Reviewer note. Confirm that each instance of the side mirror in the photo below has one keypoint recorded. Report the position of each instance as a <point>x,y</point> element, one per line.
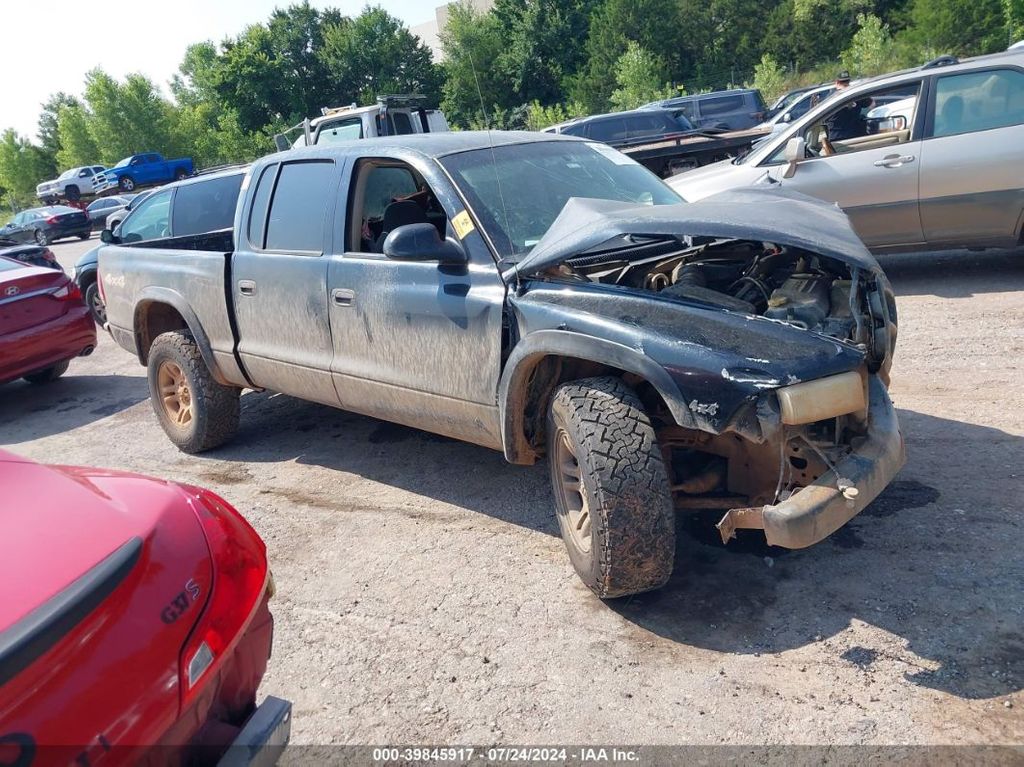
<point>421,242</point>
<point>107,237</point>
<point>796,151</point>
<point>281,142</point>
<point>786,117</point>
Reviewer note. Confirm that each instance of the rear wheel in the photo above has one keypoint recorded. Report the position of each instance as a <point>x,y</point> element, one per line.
<point>85,235</point>
<point>95,303</point>
<point>42,238</point>
<point>180,173</point>
<point>195,411</point>
<point>611,489</point>
<point>50,374</point>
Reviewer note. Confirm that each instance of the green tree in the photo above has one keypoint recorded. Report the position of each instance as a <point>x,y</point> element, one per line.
<point>375,54</point>
<point>542,45</point>
<point>1013,11</point>
<point>962,27</point>
<point>640,77</point>
<point>275,71</point>
<point>770,78</point>
<point>77,146</point>
<point>472,43</point>
<point>49,138</point>
<point>22,166</point>
<point>871,49</point>
<point>655,25</point>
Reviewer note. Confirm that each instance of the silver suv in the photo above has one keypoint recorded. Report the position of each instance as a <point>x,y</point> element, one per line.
<point>941,169</point>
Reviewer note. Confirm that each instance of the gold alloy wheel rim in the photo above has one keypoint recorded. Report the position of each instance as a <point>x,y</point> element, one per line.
<point>175,394</point>
<point>577,508</point>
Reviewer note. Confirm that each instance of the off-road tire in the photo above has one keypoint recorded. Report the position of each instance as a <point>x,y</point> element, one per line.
<point>50,374</point>
<point>73,193</point>
<point>215,407</point>
<point>624,485</point>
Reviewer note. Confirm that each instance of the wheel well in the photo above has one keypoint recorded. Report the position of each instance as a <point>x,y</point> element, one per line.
<point>528,405</point>
<point>152,319</point>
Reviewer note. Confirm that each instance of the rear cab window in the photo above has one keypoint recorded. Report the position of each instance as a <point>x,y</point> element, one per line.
<point>297,212</point>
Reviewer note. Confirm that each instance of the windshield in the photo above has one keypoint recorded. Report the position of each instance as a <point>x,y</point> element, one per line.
<point>68,173</point>
<point>123,162</point>
<point>537,180</point>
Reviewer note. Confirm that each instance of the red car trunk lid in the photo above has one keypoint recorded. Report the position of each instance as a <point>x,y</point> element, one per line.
<point>29,296</point>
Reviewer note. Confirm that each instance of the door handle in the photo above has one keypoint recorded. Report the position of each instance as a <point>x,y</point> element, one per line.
<point>894,160</point>
<point>343,296</point>
<point>247,287</point>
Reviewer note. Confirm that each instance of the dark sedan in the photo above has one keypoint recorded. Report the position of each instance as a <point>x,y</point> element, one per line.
<point>33,255</point>
<point>100,209</point>
<point>46,225</point>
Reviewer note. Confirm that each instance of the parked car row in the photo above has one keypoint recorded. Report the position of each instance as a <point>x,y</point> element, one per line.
<point>926,158</point>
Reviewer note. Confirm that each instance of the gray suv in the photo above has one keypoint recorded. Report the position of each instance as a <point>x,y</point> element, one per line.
<point>941,170</point>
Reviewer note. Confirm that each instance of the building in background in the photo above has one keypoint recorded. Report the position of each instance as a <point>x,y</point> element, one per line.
<point>430,31</point>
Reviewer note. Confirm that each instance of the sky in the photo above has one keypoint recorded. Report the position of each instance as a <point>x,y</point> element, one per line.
<point>48,46</point>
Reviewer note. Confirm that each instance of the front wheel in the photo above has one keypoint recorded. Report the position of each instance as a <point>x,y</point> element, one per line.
<point>195,411</point>
<point>612,494</point>
<point>126,183</point>
<point>50,374</point>
<point>73,193</point>
<point>42,238</point>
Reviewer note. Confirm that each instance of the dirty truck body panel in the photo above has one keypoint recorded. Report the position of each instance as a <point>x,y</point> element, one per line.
<point>755,328</point>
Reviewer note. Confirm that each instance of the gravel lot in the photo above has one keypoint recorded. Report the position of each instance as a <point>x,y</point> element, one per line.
<point>424,595</point>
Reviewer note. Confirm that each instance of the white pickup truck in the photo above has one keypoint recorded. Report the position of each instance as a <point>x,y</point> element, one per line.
<point>390,116</point>
<point>72,185</point>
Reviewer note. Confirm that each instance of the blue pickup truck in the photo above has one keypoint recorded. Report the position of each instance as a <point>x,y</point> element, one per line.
<point>147,169</point>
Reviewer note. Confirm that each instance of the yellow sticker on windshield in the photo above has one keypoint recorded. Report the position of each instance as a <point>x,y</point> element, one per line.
<point>463,225</point>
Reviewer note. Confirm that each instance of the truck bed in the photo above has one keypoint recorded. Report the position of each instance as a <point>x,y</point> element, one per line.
<point>188,273</point>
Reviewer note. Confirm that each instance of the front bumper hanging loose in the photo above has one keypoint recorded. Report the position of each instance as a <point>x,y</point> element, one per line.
<point>816,511</point>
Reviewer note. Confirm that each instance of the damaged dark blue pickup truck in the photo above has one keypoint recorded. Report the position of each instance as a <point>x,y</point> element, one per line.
<point>542,296</point>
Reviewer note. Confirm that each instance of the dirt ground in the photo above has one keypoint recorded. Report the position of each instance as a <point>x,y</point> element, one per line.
<point>424,594</point>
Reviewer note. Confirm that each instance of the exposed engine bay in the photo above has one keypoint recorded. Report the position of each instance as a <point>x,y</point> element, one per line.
<point>785,284</point>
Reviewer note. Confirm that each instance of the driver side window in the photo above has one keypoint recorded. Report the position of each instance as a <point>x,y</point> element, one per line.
<point>386,196</point>
<point>150,221</point>
<point>870,120</point>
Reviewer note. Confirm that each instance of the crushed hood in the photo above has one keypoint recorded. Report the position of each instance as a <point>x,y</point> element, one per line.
<point>769,215</point>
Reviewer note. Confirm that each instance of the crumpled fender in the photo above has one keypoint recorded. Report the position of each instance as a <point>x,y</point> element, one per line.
<point>562,343</point>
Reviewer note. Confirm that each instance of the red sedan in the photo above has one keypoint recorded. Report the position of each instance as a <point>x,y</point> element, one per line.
<point>44,323</point>
<point>134,625</point>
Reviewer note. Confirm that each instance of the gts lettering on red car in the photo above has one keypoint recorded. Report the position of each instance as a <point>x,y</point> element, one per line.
<point>181,603</point>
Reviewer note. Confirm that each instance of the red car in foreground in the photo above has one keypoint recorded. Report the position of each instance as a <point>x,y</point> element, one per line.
<point>134,625</point>
<point>44,323</point>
